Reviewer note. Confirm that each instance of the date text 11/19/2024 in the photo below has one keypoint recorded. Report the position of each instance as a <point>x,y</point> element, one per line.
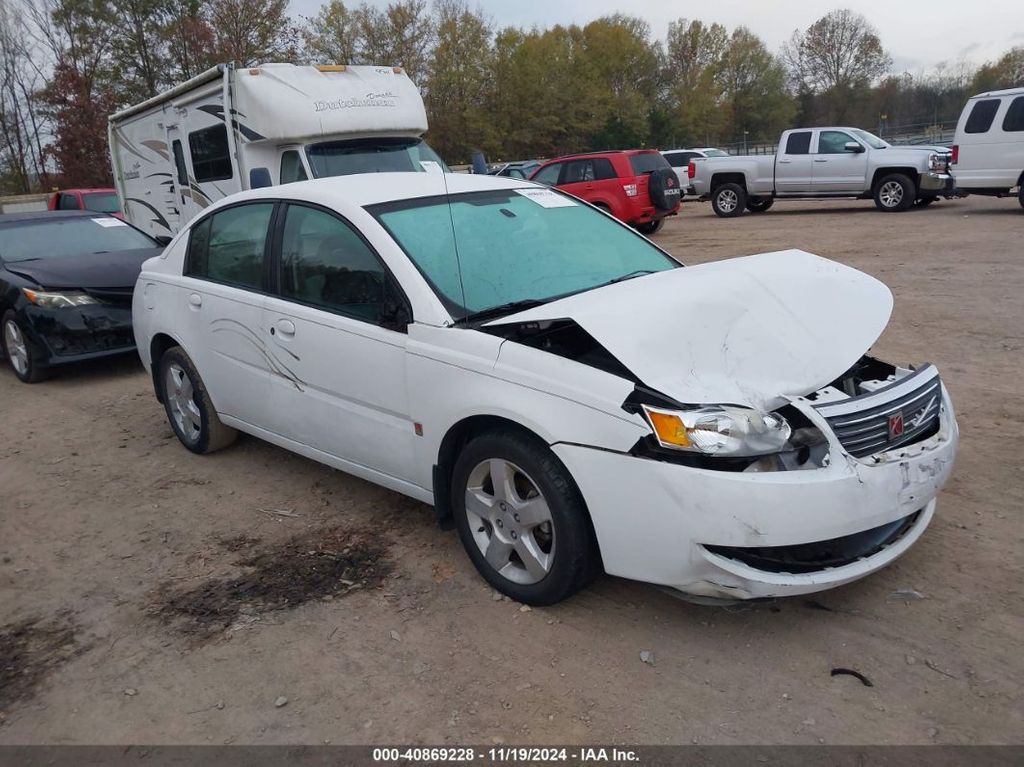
<point>505,754</point>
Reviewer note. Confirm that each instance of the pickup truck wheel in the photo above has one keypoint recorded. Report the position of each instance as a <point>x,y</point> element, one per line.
<point>760,204</point>
<point>729,200</point>
<point>650,227</point>
<point>894,193</point>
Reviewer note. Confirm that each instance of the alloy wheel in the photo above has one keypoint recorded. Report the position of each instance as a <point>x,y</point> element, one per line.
<point>510,521</point>
<point>17,349</point>
<point>180,396</point>
<point>727,201</point>
<point>891,194</point>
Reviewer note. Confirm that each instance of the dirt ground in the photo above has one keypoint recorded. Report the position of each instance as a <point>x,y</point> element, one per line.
<point>130,612</point>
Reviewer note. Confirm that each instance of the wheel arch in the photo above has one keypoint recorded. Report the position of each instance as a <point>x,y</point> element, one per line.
<point>719,179</point>
<point>158,346</point>
<point>912,173</point>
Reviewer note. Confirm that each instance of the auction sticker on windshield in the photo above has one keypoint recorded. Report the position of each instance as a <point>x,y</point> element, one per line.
<point>109,222</point>
<point>546,198</point>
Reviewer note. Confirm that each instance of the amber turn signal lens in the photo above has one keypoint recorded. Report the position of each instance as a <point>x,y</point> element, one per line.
<point>669,428</point>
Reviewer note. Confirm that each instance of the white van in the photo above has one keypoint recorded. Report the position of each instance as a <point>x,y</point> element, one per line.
<point>230,129</point>
<point>988,156</point>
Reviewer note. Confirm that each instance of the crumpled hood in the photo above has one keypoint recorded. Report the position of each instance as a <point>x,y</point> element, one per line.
<point>746,331</point>
<point>116,269</point>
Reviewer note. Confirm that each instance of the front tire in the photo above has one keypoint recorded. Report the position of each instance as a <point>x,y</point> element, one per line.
<point>522,519</point>
<point>894,193</point>
<point>18,350</point>
<point>651,227</point>
<point>729,200</point>
<point>760,204</point>
<point>189,409</point>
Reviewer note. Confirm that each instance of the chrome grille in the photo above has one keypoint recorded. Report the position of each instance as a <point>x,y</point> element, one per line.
<point>900,414</point>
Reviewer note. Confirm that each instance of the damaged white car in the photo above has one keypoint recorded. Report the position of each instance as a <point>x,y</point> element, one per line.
<point>562,391</point>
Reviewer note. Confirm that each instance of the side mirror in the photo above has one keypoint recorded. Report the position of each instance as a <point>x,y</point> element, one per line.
<point>853,146</point>
<point>259,178</point>
<point>163,240</point>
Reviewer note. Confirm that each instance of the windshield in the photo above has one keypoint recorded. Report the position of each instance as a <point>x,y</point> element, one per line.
<point>102,202</point>
<point>715,153</point>
<point>514,245</point>
<point>648,162</point>
<point>870,139</point>
<point>64,237</point>
<point>377,155</point>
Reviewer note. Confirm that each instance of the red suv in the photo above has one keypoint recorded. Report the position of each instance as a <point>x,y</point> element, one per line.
<point>637,186</point>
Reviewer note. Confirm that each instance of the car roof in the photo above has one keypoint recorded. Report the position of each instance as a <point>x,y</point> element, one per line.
<point>1004,92</point>
<point>582,155</point>
<point>44,215</point>
<point>365,189</point>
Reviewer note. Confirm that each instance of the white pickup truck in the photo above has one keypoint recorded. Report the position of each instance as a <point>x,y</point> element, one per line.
<point>815,163</point>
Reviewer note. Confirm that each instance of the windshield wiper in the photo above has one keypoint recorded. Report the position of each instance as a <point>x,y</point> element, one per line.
<point>631,275</point>
<point>498,311</point>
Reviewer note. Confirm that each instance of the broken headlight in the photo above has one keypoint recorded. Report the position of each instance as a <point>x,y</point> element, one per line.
<point>719,430</point>
<point>63,300</point>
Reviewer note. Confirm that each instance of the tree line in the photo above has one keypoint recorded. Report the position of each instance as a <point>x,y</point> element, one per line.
<point>513,93</point>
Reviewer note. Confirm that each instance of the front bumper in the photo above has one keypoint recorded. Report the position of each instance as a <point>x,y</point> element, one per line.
<point>936,182</point>
<point>86,332</point>
<point>655,520</point>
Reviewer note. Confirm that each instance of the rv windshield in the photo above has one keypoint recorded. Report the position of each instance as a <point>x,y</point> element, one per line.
<point>373,155</point>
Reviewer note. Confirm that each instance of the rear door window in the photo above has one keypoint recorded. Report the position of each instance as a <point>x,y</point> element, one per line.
<point>982,115</point>
<point>799,143</point>
<point>578,172</point>
<point>1013,122</point>
<point>229,246</point>
<point>603,169</point>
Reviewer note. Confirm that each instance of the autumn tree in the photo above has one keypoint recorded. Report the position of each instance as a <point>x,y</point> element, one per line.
<point>1006,72</point>
<point>250,32</point>
<point>837,58</point>
<point>332,36</point>
<point>755,100</point>
<point>400,35</point>
<point>460,80</point>
<point>693,57</point>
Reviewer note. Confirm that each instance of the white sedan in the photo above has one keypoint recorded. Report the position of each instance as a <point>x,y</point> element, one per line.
<point>564,392</point>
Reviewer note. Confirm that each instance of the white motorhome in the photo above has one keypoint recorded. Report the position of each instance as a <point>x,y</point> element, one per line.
<point>988,156</point>
<point>231,129</point>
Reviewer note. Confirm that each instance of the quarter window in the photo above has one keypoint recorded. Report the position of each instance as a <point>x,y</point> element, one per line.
<point>982,115</point>
<point>799,143</point>
<point>325,263</point>
<point>1014,120</point>
<point>548,175</point>
<point>209,149</point>
<point>292,168</point>
<point>229,246</point>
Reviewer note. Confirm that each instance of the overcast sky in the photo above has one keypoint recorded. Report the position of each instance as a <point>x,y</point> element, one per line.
<point>917,33</point>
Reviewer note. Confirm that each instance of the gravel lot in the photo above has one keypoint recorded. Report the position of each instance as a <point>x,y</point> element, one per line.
<point>134,606</point>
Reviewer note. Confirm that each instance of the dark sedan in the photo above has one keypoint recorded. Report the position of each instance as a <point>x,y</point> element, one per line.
<point>66,283</point>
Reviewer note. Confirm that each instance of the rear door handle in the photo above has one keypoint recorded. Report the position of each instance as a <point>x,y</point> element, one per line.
<point>286,328</point>
<point>195,300</point>
<point>785,162</point>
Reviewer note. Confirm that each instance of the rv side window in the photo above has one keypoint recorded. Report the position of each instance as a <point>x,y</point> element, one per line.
<point>209,150</point>
<point>1014,120</point>
<point>292,168</point>
<point>982,115</point>
<point>179,163</point>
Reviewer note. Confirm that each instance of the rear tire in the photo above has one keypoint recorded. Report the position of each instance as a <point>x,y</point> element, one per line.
<point>189,409</point>
<point>651,227</point>
<point>17,348</point>
<point>729,200</point>
<point>534,507</point>
<point>760,204</point>
<point>894,193</point>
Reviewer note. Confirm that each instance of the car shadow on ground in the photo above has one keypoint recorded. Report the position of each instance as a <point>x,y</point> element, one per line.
<point>121,366</point>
